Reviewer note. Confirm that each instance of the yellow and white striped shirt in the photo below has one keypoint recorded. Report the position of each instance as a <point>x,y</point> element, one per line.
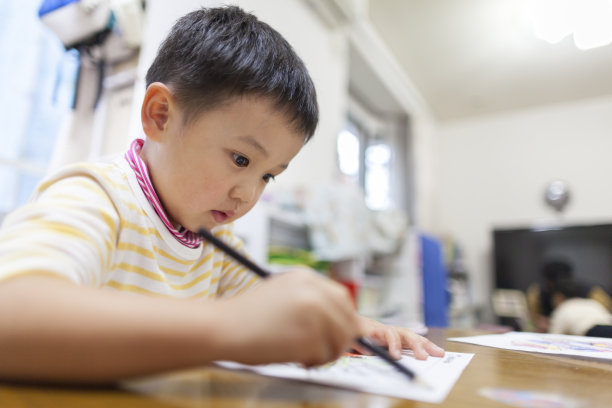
<point>92,224</point>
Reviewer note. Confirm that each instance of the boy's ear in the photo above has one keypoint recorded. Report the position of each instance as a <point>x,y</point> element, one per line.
<point>155,110</point>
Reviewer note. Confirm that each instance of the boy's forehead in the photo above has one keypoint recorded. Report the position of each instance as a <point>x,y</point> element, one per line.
<point>259,107</point>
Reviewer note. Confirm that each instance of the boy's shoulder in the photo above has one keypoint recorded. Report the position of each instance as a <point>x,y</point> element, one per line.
<point>108,173</point>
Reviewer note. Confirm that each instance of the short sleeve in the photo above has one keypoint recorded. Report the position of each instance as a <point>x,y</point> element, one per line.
<point>235,278</point>
<point>69,229</point>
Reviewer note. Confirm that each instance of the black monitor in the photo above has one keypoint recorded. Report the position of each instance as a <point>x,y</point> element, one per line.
<point>519,254</point>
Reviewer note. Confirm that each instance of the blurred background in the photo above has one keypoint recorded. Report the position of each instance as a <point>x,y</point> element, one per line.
<point>463,145</point>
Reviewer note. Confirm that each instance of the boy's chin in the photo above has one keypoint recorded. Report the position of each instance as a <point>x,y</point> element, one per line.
<point>210,224</point>
<point>206,226</point>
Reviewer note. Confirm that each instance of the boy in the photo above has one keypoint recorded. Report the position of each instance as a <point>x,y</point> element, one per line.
<point>228,105</point>
<point>575,313</point>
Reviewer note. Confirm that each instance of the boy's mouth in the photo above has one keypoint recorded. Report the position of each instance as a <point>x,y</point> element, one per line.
<point>221,216</point>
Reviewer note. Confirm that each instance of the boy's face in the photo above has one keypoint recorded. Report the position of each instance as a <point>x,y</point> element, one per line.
<point>214,169</point>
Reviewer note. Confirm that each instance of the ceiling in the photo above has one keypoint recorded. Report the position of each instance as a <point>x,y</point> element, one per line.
<point>475,57</point>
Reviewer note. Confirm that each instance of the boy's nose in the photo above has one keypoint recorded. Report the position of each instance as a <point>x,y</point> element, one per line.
<point>244,192</point>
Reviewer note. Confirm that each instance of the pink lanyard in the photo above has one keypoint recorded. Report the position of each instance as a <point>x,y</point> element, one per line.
<point>183,235</point>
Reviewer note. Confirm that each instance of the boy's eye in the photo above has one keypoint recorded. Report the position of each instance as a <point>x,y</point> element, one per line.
<point>240,160</point>
<point>268,177</point>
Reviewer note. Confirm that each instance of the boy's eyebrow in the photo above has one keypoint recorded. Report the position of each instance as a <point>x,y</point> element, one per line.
<point>255,144</point>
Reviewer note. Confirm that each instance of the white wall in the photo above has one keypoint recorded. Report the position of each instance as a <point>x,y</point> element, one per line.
<point>492,172</point>
<point>400,96</point>
<point>160,15</point>
<point>325,51</point>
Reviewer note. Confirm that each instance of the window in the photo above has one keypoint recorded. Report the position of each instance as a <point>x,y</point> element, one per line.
<point>377,186</point>
<point>370,155</point>
<point>37,78</point>
<point>348,153</point>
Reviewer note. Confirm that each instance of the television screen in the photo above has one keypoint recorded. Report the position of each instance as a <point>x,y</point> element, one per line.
<point>519,254</point>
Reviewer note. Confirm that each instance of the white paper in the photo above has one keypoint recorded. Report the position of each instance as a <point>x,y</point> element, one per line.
<point>595,347</point>
<point>437,375</point>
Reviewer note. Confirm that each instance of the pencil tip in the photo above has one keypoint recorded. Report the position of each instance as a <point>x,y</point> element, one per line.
<point>420,381</point>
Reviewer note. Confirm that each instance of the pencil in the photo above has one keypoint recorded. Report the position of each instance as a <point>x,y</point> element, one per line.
<point>376,350</point>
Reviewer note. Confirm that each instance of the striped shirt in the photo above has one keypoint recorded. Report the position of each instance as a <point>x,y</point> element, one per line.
<point>92,224</point>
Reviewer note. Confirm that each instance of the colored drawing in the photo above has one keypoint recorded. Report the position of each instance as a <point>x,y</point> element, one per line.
<point>581,346</point>
<point>557,344</point>
<point>374,375</point>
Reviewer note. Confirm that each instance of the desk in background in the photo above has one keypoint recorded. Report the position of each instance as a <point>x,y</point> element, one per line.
<point>575,379</point>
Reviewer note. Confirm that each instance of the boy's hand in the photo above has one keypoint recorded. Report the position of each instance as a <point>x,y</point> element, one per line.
<point>397,338</point>
<point>297,316</point>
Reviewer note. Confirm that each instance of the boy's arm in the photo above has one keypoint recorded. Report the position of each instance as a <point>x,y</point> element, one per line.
<point>54,330</point>
<point>235,278</point>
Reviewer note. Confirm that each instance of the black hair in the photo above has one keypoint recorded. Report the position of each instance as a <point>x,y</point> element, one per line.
<point>557,268</point>
<point>214,54</point>
<point>553,270</point>
<point>571,288</point>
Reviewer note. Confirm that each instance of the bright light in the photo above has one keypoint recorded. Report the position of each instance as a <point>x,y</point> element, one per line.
<point>377,188</point>
<point>551,20</point>
<point>593,24</point>
<point>378,174</point>
<point>590,21</point>
<point>379,154</point>
<point>348,153</point>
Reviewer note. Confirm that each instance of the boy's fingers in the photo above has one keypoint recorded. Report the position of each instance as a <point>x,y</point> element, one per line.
<point>419,351</point>
<point>434,350</point>
<point>356,347</point>
<point>339,317</point>
<point>422,347</point>
<point>395,339</point>
<point>387,337</point>
<point>340,334</point>
<point>394,342</point>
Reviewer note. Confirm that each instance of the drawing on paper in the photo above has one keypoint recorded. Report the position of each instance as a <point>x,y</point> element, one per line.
<point>582,346</point>
<point>372,374</point>
<point>356,365</point>
<point>558,344</point>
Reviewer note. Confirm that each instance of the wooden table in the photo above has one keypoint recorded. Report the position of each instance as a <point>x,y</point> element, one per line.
<point>577,379</point>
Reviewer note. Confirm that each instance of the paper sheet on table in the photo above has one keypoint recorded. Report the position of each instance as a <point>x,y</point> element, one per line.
<point>595,347</point>
<point>372,374</point>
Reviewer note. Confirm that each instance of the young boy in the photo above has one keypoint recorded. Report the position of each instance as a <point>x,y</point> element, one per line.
<point>228,105</point>
<point>574,312</point>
